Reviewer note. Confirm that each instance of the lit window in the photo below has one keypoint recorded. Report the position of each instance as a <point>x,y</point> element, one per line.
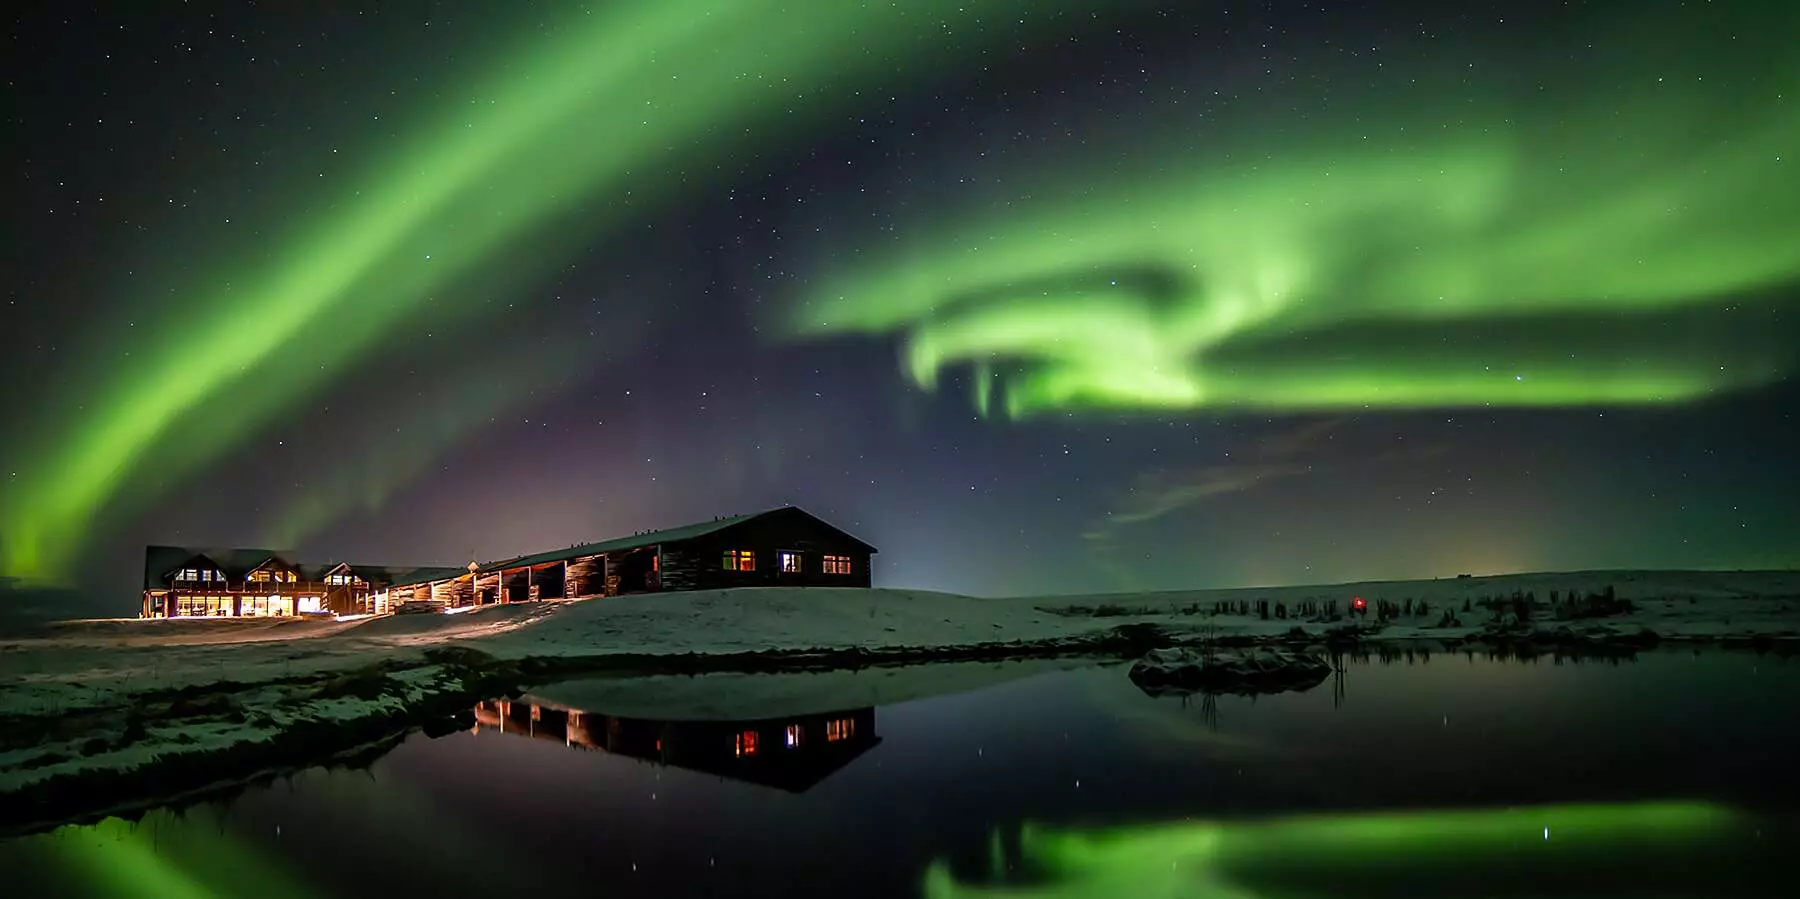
<point>187,574</point>
<point>790,563</point>
<point>259,575</point>
<point>840,729</point>
<point>793,736</point>
<point>740,560</point>
<point>746,743</point>
<point>837,564</point>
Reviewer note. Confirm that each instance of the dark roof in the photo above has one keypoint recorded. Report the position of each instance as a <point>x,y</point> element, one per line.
<point>652,538</point>
<point>404,577</point>
<point>160,561</point>
<point>390,575</point>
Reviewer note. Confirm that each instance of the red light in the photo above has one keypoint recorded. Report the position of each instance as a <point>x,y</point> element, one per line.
<point>1358,603</point>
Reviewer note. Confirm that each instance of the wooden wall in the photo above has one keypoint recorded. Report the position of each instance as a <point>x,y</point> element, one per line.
<point>698,564</point>
<point>584,577</point>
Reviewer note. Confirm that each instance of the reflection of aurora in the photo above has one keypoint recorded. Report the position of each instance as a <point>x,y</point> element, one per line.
<point>1602,242</point>
<point>1544,851</point>
<point>116,859</point>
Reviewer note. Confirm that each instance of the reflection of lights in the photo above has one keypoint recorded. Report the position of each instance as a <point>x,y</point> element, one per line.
<point>460,610</point>
<point>1312,855</point>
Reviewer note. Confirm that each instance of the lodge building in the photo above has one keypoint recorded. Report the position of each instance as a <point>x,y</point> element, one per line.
<point>779,547</point>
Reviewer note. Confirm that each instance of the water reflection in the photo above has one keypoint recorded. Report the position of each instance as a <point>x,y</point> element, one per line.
<point>1625,849</point>
<point>1454,778</point>
<point>792,753</point>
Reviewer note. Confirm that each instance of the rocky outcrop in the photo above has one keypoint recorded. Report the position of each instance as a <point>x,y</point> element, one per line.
<point>1246,671</point>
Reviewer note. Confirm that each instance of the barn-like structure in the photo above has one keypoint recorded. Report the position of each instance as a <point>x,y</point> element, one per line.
<point>780,547</point>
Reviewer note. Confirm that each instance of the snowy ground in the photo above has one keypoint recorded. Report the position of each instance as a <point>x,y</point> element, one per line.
<point>69,694</point>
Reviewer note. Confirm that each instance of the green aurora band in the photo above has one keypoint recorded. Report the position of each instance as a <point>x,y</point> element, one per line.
<point>1526,852</point>
<point>1628,237</point>
<point>551,145</point>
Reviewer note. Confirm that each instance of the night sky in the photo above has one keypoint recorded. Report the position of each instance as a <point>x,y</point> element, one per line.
<point>1034,295</point>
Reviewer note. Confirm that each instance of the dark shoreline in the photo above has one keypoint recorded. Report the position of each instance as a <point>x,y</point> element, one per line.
<point>469,676</point>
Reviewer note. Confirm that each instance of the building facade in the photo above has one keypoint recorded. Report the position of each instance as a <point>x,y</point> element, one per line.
<point>786,547</point>
<point>194,582</point>
<point>780,547</point>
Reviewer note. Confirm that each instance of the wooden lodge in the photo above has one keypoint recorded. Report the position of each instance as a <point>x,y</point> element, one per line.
<point>191,582</point>
<point>779,547</point>
<point>786,547</point>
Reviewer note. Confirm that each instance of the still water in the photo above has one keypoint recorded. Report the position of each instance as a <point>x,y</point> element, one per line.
<point>1672,775</point>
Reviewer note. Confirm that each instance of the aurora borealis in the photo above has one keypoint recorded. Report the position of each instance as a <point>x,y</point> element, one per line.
<point>1289,273</point>
<point>416,283</point>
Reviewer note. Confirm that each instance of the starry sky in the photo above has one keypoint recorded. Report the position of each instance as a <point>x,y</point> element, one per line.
<point>1034,295</point>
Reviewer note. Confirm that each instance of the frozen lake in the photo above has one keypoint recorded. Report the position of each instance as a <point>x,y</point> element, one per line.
<point>1670,775</point>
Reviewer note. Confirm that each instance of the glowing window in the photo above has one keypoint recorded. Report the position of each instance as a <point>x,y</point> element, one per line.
<point>740,560</point>
<point>837,564</point>
<point>790,563</point>
<point>840,729</point>
<point>746,743</point>
<point>793,736</point>
<point>259,575</point>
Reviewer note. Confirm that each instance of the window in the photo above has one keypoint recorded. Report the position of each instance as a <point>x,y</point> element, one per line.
<point>338,579</point>
<point>259,576</point>
<point>746,743</point>
<point>740,560</point>
<point>205,605</point>
<point>790,563</point>
<point>793,736</point>
<point>840,729</point>
<point>837,564</point>
<point>187,574</point>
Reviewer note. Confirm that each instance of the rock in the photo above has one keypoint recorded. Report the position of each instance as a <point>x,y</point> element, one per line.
<point>1249,671</point>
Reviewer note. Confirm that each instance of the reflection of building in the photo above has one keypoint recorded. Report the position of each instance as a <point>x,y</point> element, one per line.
<point>791,753</point>
<point>780,547</point>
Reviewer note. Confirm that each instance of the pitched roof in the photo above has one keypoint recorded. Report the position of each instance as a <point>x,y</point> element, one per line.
<point>404,576</point>
<point>161,561</point>
<point>615,544</point>
<point>236,562</point>
<point>652,538</point>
